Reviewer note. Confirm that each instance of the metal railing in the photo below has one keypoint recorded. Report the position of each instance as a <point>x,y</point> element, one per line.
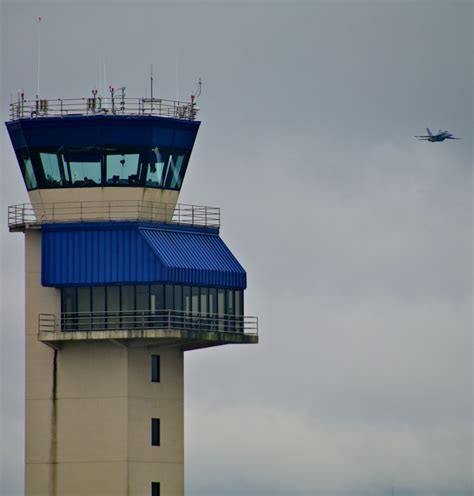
<point>61,107</point>
<point>145,320</point>
<point>77,211</point>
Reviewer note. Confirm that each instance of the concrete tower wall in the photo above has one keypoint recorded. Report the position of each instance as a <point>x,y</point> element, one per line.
<point>89,407</point>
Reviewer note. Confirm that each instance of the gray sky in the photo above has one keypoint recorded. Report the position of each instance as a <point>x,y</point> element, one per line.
<point>357,239</point>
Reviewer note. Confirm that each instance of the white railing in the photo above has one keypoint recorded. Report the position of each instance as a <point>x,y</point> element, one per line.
<point>147,319</point>
<point>30,214</point>
<point>61,107</point>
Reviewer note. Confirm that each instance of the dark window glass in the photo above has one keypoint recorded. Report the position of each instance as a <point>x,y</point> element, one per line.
<point>155,368</point>
<point>178,297</point>
<point>113,307</point>
<point>155,432</point>
<point>98,307</point>
<point>221,301</point>
<point>195,299</point>
<point>122,169</point>
<point>69,303</point>
<point>169,296</point>
<point>128,306</point>
<point>142,297</point>
<point>187,299</point>
<point>85,167</point>
<point>84,307</point>
<point>27,170</point>
<point>239,310</point>
<point>221,309</point>
<point>212,300</point>
<point>69,309</point>
<point>230,302</point>
<point>156,297</point>
<point>175,171</point>
<point>155,489</point>
<point>239,302</point>
<point>128,298</point>
<point>157,158</point>
<point>204,294</point>
<point>52,170</point>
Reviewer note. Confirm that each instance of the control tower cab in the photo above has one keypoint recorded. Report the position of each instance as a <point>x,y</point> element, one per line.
<point>120,281</point>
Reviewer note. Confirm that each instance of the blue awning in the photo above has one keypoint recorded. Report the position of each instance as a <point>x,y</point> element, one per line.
<point>137,253</point>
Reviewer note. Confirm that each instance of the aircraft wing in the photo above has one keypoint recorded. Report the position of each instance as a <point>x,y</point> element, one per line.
<point>452,137</point>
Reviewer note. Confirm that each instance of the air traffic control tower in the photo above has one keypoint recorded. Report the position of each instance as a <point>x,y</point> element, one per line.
<point>120,281</point>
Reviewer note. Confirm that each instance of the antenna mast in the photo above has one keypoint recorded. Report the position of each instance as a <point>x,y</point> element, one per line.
<point>39,59</point>
<point>151,86</point>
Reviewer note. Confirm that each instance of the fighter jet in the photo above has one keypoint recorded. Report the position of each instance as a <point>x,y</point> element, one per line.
<point>441,136</point>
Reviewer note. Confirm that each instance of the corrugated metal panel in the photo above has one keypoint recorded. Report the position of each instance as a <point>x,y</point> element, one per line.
<point>195,258</point>
<point>130,252</point>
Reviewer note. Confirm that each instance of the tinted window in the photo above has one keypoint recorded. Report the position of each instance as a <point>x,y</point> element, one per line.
<point>155,489</point>
<point>155,432</point>
<point>155,368</point>
<point>122,169</point>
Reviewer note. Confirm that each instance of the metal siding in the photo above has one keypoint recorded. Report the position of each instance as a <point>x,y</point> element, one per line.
<point>128,252</point>
<point>195,258</point>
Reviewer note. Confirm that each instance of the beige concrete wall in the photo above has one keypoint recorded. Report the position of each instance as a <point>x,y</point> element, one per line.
<point>103,203</point>
<point>89,408</point>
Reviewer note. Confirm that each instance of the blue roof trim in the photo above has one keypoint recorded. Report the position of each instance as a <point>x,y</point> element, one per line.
<point>101,130</point>
<point>137,253</point>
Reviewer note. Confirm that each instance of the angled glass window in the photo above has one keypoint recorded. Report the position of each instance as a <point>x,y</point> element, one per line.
<point>27,170</point>
<point>52,170</point>
<point>175,171</point>
<point>157,158</point>
<point>122,169</point>
<point>85,169</point>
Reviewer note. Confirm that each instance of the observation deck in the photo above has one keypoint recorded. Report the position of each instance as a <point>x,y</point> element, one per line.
<point>189,330</point>
<point>33,215</point>
<point>113,105</point>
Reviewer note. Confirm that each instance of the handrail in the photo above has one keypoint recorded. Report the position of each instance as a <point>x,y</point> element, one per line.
<point>114,210</point>
<point>147,319</point>
<point>114,105</point>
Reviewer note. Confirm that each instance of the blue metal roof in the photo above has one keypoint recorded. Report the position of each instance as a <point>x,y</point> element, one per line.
<point>135,253</point>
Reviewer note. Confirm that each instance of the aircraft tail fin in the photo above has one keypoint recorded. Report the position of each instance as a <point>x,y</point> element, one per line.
<point>428,131</point>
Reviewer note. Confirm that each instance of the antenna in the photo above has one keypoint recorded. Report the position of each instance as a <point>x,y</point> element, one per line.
<point>177,85</point>
<point>151,81</point>
<point>39,59</point>
<point>151,86</point>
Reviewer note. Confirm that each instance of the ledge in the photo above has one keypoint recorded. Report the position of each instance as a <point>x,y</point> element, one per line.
<point>188,340</point>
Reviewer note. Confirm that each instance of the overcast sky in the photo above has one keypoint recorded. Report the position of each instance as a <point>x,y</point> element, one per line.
<point>357,238</point>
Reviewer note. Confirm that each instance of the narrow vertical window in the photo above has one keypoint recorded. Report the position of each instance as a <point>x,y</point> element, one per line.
<point>155,489</point>
<point>155,368</point>
<point>155,432</point>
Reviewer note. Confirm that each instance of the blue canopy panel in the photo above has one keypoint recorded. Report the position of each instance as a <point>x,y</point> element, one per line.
<point>137,253</point>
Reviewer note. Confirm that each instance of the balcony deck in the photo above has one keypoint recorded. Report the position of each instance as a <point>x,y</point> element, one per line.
<point>147,328</point>
<point>115,104</point>
<point>33,215</point>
